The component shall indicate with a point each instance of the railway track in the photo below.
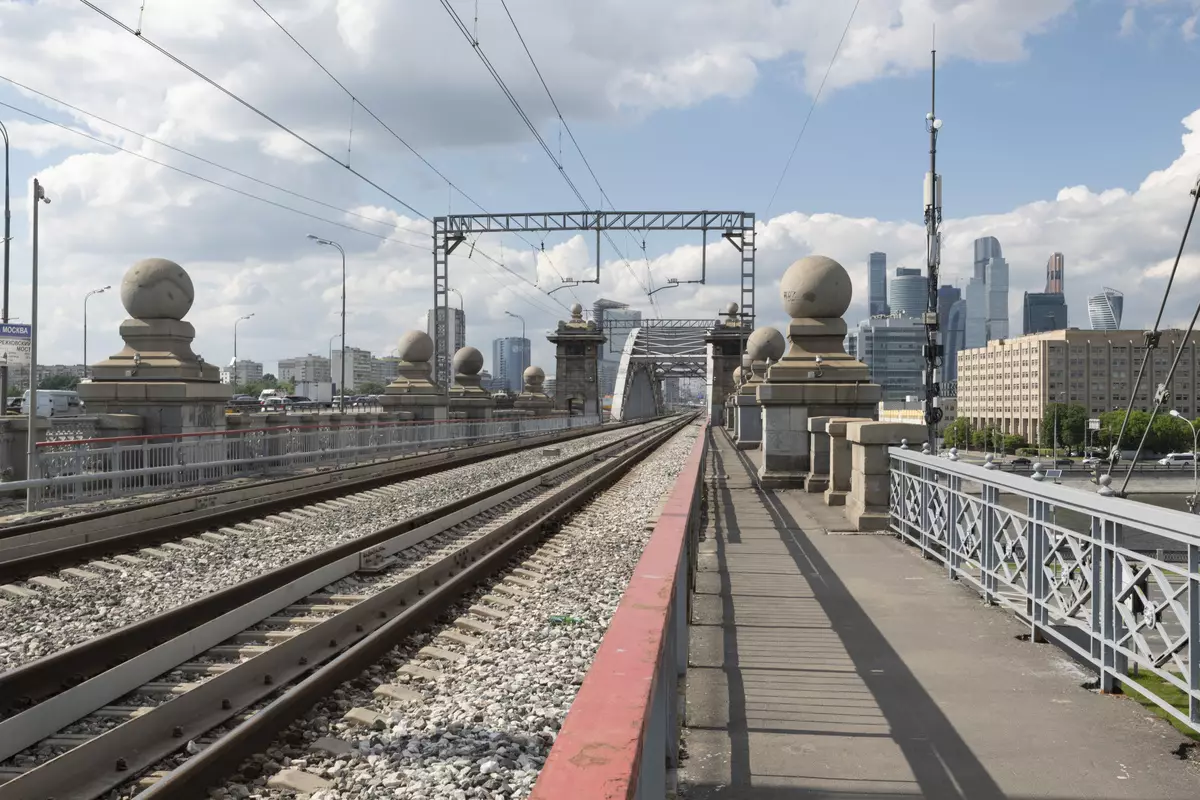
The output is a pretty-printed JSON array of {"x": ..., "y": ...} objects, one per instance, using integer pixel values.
[
  {"x": 46, "y": 545},
  {"x": 174, "y": 590},
  {"x": 307, "y": 630}
]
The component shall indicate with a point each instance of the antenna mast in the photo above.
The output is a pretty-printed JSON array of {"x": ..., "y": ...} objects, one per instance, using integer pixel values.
[{"x": 933, "y": 218}]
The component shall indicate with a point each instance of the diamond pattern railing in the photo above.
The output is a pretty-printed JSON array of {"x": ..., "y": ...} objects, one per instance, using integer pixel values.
[{"x": 1061, "y": 559}]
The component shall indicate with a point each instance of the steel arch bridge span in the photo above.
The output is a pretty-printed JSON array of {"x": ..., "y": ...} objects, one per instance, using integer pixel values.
[{"x": 653, "y": 352}]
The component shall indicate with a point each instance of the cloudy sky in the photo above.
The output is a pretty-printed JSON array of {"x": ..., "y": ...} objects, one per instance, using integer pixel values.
[{"x": 1070, "y": 126}]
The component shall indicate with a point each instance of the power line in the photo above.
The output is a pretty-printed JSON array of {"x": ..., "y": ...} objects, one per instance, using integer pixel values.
[
  {"x": 218, "y": 184},
  {"x": 247, "y": 104},
  {"x": 202, "y": 159},
  {"x": 811, "y": 109},
  {"x": 356, "y": 101},
  {"x": 533, "y": 128}
]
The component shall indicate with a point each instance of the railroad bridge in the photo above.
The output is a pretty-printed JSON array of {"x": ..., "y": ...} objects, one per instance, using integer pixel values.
[{"x": 777, "y": 596}]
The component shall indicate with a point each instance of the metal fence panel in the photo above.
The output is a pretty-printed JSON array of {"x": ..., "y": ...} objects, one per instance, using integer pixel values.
[
  {"x": 89, "y": 469},
  {"x": 1115, "y": 581}
]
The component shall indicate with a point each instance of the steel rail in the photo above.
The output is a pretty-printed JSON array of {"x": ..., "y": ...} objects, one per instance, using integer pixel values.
[
  {"x": 31, "y": 683},
  {"x": 369, "y": 629},
  {"x": 81, "y": 540}
]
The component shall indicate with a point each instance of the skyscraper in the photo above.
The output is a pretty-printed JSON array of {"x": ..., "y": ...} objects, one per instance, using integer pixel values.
[
  {"x": 954, "y": 337},
  {"x": 987, "y": 295},
  {"x": 877, "y": 289},
  {"x": 986, "y": 248},
  {"x": 892, "y": 348},
  {"x": 907, "y": 295},
  {"x": 1054, "y": 274},
  {"x": 1104, "y": 310},
  {"x": 510, "y": 357},
  {"x": 617, "y": 317},
  {"x": 1044, "y": 311},
  {"x": 996, "y": 277}
]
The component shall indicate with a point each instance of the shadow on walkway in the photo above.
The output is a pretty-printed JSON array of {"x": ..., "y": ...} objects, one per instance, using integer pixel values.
[{"x": 802, "y": 658}]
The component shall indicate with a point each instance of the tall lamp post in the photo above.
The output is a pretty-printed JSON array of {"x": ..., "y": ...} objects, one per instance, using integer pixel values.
[
  {"x": 39, "y": 197},
  {"x": 331, "y": 338},
  {"x": 235, "y": 324},
  {"x": 86, "y": 297},
  {"x": 523, "y": 340},
  {"x": 1191, "y": 501},
  {"x": 7, "y": 239},
  {"x": 1054, "y": 441},
  {"x": 342, "y": 385}
]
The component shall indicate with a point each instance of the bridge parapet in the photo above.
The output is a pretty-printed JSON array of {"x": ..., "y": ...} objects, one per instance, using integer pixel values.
[
  {"x": 1114, "y": 581},
  {"x": 621, "y": 733}
]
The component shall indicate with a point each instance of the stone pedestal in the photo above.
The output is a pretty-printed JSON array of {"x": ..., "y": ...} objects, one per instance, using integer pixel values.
[
  {"x": 413, "y": 390},
  {"x": 577, "y": 373},
  {"x": 870, "y": 472},
  {"x": 764, "y": 346},
  {"x": 467, "y": 396},
  {"x": 749, "y": 422},
  {"x": 156, "y": 375},
  {"x": 723, "y": 346},
  {"x": 818, "y": 455},
  {"x": 815, "y": 377},
  {"x": 532, "y": 399},
  {"x": 839, "y": 462}
]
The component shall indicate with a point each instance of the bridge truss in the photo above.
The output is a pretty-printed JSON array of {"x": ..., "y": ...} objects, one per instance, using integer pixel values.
[
  {"x": 655, "y": 350},
  {"x": 452, "y": 230}
]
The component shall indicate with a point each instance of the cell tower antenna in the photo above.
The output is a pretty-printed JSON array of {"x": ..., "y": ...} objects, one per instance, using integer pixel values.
[{"x": 933, "y": 218}]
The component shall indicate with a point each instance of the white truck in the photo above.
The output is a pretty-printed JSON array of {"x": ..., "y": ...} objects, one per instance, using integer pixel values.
[{"x": 319, "y": 392}]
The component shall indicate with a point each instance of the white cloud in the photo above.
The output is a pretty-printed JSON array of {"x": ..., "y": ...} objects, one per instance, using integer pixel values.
[
  {"x": 1188, "y": 28},
  {"x": 413, "y": 67},
  {"x": 1128, "y": 22}
]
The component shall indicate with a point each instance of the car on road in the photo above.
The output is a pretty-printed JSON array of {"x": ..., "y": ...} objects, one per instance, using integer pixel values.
[
  {"x": 277, "y": 404},
  {"x": 1091, "y": 461},
  {"x": 1171, "y": 459},
  {"x": 1063, "y": 462},
  {"x": 1021, "y": 462}
]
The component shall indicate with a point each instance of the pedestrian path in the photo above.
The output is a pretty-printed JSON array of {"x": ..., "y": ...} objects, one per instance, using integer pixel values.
[{"x": 847, "y": 667}]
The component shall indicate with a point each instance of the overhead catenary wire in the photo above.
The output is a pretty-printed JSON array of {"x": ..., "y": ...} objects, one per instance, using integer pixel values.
[
  {"x": 356, "y": 101},
  {"x": 516, "y": 104},
  {"x": 210, "y": 181},
  {"x": 795, "y": 145},
  {"x": 204, "y": 160},
  {"x": 1152, "y": 338},
  {"x": 248, "y": 105}
]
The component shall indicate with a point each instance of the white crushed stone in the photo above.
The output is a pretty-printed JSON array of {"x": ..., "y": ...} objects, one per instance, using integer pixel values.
[
  {"x": 58, "y": 618},
  {"x": 485, "y": 727}
]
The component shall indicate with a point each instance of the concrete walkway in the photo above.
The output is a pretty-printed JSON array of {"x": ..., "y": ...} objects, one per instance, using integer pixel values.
[{"x": 845, "y": 666}]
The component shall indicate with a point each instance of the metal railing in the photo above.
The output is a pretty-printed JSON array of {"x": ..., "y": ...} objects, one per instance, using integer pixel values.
[
  {"x": 79, "y": 470},
  {"x": 627, "y": 708},
  {"x": 1114, "y": 581}
]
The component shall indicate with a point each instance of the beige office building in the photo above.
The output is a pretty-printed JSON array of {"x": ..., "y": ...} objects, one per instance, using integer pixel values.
[{"x": 1009, "y": 383}]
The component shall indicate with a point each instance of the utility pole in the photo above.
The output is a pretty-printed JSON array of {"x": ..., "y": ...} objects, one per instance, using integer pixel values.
[
  {"x": 7, "y": 241},
  {"x": 933, "y": 218},
  {"x": 39, "y": 197}
]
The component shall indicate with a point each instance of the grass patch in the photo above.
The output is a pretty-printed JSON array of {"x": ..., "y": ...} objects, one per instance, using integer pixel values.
[{"x": 1167, "y": 692}]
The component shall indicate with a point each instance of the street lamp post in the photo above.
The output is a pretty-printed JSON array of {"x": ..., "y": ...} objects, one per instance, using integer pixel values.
[
  {"x": 331, "y": 338},
  {"x": 524, "y": 366},
  {"x": 342, "y": 385},
  {"x": 39, "y": 197},
  {"x": 1191, "y": 501},
  {"x": 235, "y": 324},
  {"x": 7, "y": 240},
  {"x": 86, "y": 297},
  {"x": 460, "y": 300},
  {"x": 1054, "y": 440}
]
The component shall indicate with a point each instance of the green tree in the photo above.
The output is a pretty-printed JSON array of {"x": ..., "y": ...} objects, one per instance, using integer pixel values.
[
  {"x": 1013, "y": 442},
  {"x": 58, "y": 382},
  {"x": 1072, "y": 425},
  {"x": 1110, "y": 428},
  {"x": 270, "y": 381},
  {"x": 369, "y": 388},
  {"x": 957, "y": 433},
  {"x": 1169, "y": 435}
]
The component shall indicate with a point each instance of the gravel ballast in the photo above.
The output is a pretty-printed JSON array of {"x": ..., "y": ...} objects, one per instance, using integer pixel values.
[
  {"x": 484, "y": 726},
  {"x": 55, "y": 618}
]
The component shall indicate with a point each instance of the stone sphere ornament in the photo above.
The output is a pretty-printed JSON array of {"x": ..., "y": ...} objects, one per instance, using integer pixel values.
[
  {"x": 156, "y": 288},
  {"x": 534, "y": 377},
  {"x": 415, "y": 347},
  {"x": 467, "y": 361},
  {"x": 816, "y": 287},
  {"x": 765, "y": 344}
]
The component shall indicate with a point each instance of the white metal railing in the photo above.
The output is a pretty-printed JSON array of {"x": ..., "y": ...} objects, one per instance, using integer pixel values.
[
  {"x": 1114, "y": 581},
  {"x": 82, "y": 470}
]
